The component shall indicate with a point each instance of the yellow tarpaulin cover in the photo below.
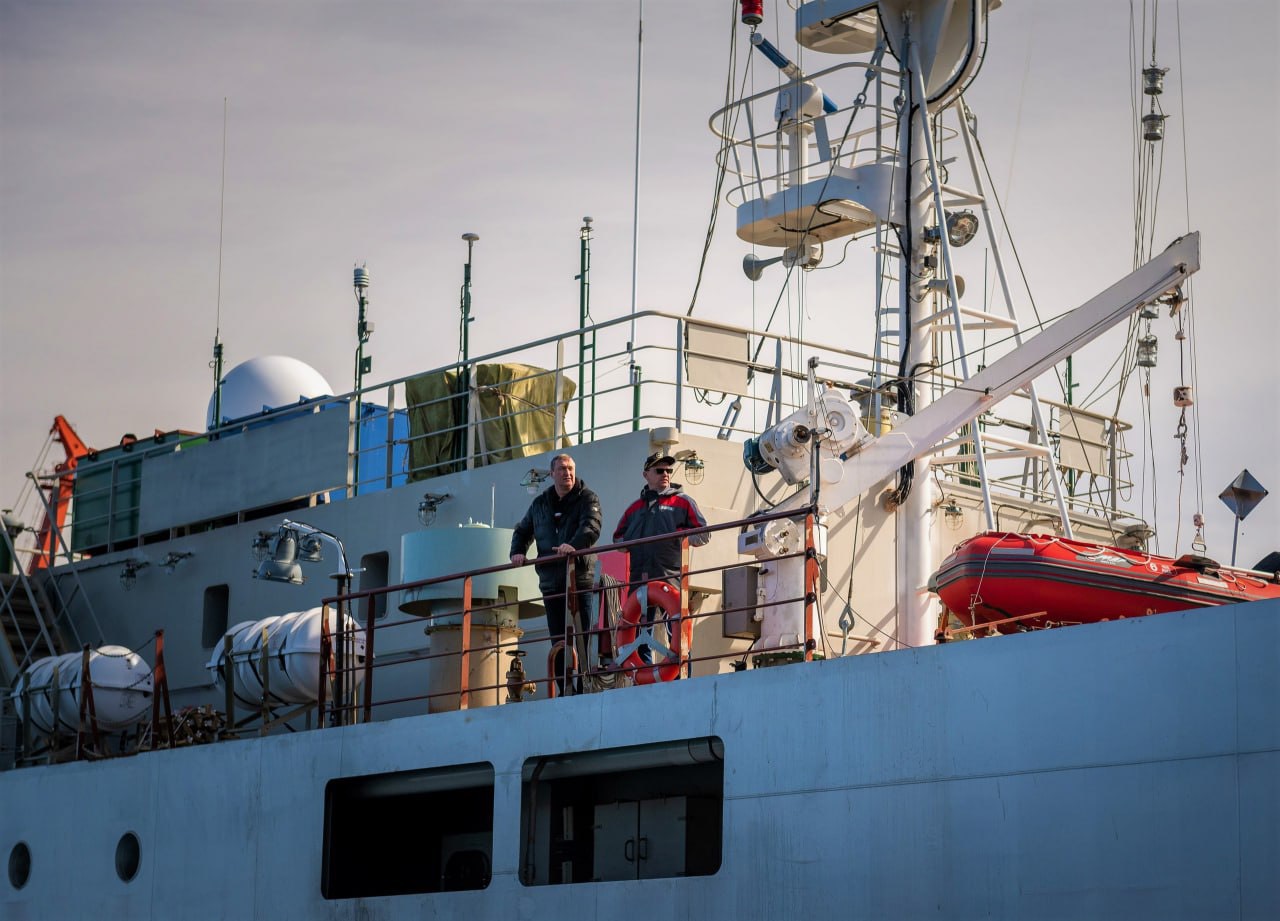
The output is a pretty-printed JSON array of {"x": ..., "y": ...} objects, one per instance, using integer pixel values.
[{"x": 513, "y": 406}]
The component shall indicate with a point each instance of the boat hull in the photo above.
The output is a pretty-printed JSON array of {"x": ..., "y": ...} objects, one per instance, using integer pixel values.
[{"x": 1024, "y": 581}]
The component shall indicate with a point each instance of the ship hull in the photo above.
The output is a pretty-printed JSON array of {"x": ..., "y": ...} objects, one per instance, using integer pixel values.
[{"x": 1119, "y": 770}]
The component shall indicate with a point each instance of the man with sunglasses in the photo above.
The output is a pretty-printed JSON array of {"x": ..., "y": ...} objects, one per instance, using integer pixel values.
[{"x": 663, "y": 508}]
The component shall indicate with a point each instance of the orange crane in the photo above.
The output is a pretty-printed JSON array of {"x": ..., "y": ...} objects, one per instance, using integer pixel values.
[{"x": 58, "y": 493}]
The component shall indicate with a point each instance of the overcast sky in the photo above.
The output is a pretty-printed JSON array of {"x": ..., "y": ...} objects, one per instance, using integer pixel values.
[{"x": 379, "y": 132}]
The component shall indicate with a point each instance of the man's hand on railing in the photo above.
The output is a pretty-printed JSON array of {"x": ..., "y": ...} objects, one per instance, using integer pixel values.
[
  {"x": 564, "y": 549},
  {"x": 518, "y": 558}
]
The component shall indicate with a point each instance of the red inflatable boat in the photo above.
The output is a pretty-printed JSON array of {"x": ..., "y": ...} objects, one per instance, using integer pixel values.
[{"x": 1017, "y": 582}]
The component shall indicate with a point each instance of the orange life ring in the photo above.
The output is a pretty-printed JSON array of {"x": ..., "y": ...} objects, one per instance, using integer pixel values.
[{"x": 667, "y": 660}]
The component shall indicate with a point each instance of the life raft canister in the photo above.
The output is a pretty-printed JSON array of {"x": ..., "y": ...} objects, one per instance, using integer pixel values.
[{"x": 667, "y": 660}]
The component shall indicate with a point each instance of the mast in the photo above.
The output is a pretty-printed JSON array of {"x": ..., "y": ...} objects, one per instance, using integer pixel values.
[{"x": 915, "y": 556}]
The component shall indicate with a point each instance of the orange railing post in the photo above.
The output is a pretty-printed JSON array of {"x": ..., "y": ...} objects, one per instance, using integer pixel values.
[
  {"x": 811, "y": 576},
  {"x": 464, "y": 665},
  {"x": 326, "y": 663},
  {"x": 686, "y": 640},
  {"x": 370, "y": 609}
]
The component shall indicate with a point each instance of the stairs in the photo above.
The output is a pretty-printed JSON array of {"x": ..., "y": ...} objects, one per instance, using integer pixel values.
[{"x": 26, "y": 632}]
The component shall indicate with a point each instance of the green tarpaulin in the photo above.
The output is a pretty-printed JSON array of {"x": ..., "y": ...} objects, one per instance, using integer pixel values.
[{"x": 513, "y": 407}]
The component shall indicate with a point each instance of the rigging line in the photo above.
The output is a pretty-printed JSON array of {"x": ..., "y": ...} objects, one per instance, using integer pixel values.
[
  {"x": 222, "y": 199},
  {"x": 1186, "y": 197},
  {"x": 1013, "y": 246},
  {"x": 1155, "y": 23},
  {"x": 1017, "y": 121},
  {"x": 728, "y": 126},
  {"x": 1155, "y": 472}
]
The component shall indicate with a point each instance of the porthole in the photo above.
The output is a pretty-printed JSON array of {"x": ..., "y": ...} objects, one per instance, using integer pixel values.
[
  {"x": 128, "y": 856},
  {"x": 19, "y": 865}
]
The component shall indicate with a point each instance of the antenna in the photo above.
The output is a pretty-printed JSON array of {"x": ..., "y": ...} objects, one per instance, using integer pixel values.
[
  {"x": 585, "y": 344},
  {"x": 464, "y": 338},
  {"x": 216, "y": 364},
  {"x": 635, "y": 222},
  {"x": 364, "y": 363},
  {"x": 364, "y": 329}
]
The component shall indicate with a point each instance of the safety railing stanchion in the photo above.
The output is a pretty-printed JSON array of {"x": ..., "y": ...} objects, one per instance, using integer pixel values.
[
  {"x": 464, "y": 665},
  {"x": 686, "y": 666},
  {"x": 370, "y": 608},
  {"x": 326, "y": 663},
  {"x": 811, "y": 575}
]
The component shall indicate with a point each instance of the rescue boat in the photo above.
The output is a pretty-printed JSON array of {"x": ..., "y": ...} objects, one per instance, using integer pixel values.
[{"x": 1012, "y": 582}]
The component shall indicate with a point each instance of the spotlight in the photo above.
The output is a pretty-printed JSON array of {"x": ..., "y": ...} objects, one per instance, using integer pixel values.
[
  {"x": 962, "y": 226},
  {"x": 282, "y": 565},
  {"x": 310, "y": 550}
]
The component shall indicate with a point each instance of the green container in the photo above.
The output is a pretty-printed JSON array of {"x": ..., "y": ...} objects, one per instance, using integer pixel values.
[{"x": 108, "y": 491}]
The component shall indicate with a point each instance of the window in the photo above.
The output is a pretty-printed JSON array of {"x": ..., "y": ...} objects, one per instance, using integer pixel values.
[
  {"x": 642, "y": 812},
  {"x": 217, "y": 600},
  {"x": 375, "y": 566},
  {"x": 408, "y": 832}
]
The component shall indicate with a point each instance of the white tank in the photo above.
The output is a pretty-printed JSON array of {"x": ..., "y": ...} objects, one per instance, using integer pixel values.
[
  {"x": 266, "y": 382},
  {"x": 122, "y": 689},
  {"x": 293, "y": 657}
]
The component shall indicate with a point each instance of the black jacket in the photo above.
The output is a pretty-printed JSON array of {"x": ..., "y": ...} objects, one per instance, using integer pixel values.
[
  {"x": 552, "y": 521},
  {"x": 659, "y": 513}
]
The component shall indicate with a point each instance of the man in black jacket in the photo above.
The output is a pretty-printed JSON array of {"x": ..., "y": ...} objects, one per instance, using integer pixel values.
[{"x": 563, "y": 518}]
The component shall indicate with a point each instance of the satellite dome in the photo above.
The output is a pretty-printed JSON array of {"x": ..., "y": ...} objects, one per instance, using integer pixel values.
[{"x": 264, "y": 383}]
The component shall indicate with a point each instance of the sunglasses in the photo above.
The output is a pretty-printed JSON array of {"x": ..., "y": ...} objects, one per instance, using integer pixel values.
[{"x": 665, "y": 471}]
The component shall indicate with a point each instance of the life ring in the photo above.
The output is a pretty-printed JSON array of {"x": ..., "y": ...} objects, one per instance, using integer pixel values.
[{"x": 631, "y": 635}]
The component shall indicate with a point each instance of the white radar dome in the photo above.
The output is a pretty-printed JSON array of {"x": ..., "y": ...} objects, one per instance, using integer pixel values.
[{"x": 266, "y": 382}]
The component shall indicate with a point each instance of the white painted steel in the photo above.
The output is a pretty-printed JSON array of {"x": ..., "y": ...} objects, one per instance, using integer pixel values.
[{"x": 1115, "y": 771}]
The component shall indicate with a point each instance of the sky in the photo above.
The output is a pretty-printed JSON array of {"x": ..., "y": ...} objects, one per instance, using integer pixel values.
[{"x": 379, "y": 132}]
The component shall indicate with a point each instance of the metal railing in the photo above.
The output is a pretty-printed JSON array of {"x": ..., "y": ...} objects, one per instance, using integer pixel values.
[
  {"x": 350, "y": 683},
  {"x": 670, "y": 390}
]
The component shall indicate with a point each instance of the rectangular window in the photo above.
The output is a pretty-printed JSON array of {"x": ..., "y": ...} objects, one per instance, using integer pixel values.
[
  {"x": 217, "y": 602},
  {"x": 408, "y": 832},
  {"x": 376, "y": 569},
  {"x": 642, "y": 812}
]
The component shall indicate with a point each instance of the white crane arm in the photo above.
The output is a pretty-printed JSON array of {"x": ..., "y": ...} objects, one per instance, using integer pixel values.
[{"x": 918, "y": 434}]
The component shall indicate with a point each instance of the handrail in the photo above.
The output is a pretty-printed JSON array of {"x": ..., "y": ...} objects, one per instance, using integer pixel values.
[{"x": 346, "y": 709}]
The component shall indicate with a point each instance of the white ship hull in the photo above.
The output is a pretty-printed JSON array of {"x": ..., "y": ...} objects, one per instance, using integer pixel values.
[{"x": 1124, "y": 770}]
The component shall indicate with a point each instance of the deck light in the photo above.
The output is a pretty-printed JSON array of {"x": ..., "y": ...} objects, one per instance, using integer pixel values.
[
  {"x": 695, "y": 468},
  {"x": 1147, "y": 347},
  {"x": 310, "y": 550},
  {"x": 534, "y": 479},
  {"x": 282, "y": 565},
  {"x": 173, "y": 558},
  {"x": 129, "y": 573},
  {"x": 295, "y": 543},
  {"x": 427, "y": 507}
]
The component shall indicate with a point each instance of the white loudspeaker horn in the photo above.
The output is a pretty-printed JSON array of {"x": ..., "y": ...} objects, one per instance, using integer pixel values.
[{"x": 753, "y": 267}]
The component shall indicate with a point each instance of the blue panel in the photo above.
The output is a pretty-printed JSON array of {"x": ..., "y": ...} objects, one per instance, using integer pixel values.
[
  {"x": 1257, "y": 672},
  {"x": 1260, "y": 833}
]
